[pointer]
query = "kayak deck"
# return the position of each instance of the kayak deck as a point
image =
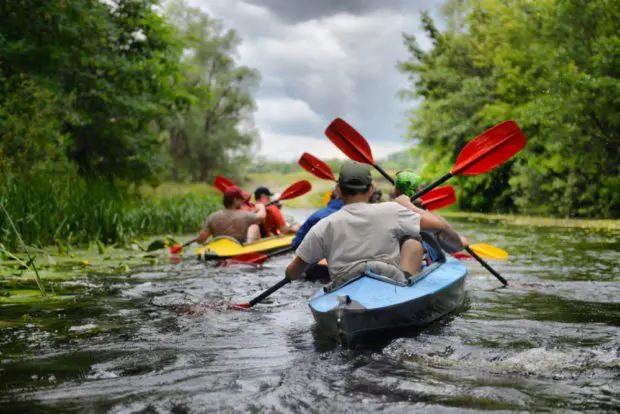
(226, 247)
(374, 302)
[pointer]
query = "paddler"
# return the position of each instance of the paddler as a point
(406, 184)
(335, 203)
(383, 238)
(274, 223)
(233, 221)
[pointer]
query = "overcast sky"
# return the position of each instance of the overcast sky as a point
(321, 59)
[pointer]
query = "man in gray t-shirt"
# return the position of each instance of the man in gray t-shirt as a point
(362, 233)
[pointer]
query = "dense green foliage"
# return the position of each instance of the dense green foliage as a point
(86, 78)
(47, 210)
(553, 67)
(97, 97)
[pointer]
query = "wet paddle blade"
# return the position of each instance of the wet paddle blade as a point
(238, 306)
(349, 141)
(489, 252)
(223, 183)
(439, 198)
(316, 167)
(295, 190)
(251, 258)
(176, 249)
(490, 149)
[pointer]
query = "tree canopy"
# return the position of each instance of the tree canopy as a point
(120, 90)
(553, 67)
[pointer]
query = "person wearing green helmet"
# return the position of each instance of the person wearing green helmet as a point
(408, 183)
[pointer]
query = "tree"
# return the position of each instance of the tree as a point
(111, 68)
(553, 68)
(214, 130)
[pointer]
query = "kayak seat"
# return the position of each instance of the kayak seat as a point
(409, 281)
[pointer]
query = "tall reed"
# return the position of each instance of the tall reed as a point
(50, 208)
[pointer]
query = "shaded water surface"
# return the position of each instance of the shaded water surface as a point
(551, 343)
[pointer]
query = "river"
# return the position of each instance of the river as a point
(551, 343)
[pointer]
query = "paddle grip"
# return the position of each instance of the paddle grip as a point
(431, 186)
(269, 291)
(486, 266)
(386, 175)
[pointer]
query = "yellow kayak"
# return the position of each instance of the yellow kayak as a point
(224, 247)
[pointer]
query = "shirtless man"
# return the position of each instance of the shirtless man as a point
(233, 221)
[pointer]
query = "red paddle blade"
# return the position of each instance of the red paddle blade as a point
(316, 167)
(349, 141)
(176, 249)
(253, 258)
(439, 198)
(295, 190)
(223, 183)
(238, 306)
(462, 256)
(490, 149)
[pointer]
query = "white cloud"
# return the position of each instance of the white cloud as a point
(284, 147)
(334, 62)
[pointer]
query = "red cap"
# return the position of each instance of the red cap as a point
(233, 192)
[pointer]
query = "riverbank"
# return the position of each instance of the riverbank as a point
(533, 221)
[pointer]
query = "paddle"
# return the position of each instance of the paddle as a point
(293, 191)
(255, 258)
(177, 248)
(349, 141)
(223, 183)
(434, 200)
(316, 167)
(260, 297)
(489, 252)
(439, 198)
(482, 154)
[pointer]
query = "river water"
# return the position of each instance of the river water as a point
(551, 343)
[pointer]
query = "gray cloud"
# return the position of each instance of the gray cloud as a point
(301, 10)
(320, 60)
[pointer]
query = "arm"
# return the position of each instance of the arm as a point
(446, 235)
(296, 268)
(283, 227)
(204, 235)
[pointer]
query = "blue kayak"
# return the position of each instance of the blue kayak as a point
(373, 302)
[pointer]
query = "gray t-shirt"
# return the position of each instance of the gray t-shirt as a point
(358, 233)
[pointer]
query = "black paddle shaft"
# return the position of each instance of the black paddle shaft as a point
(486, 266)
(431, 186)
(386, 175)
(269, 291)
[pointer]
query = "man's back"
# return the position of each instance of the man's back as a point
(233, 223)
(359, 232)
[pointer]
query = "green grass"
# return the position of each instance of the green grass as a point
(70, 210)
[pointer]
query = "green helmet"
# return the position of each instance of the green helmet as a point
(407, 182)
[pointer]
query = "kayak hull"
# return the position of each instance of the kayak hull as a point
(227, 247)
(370, 303)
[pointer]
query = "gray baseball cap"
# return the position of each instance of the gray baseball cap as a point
(355, 175)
